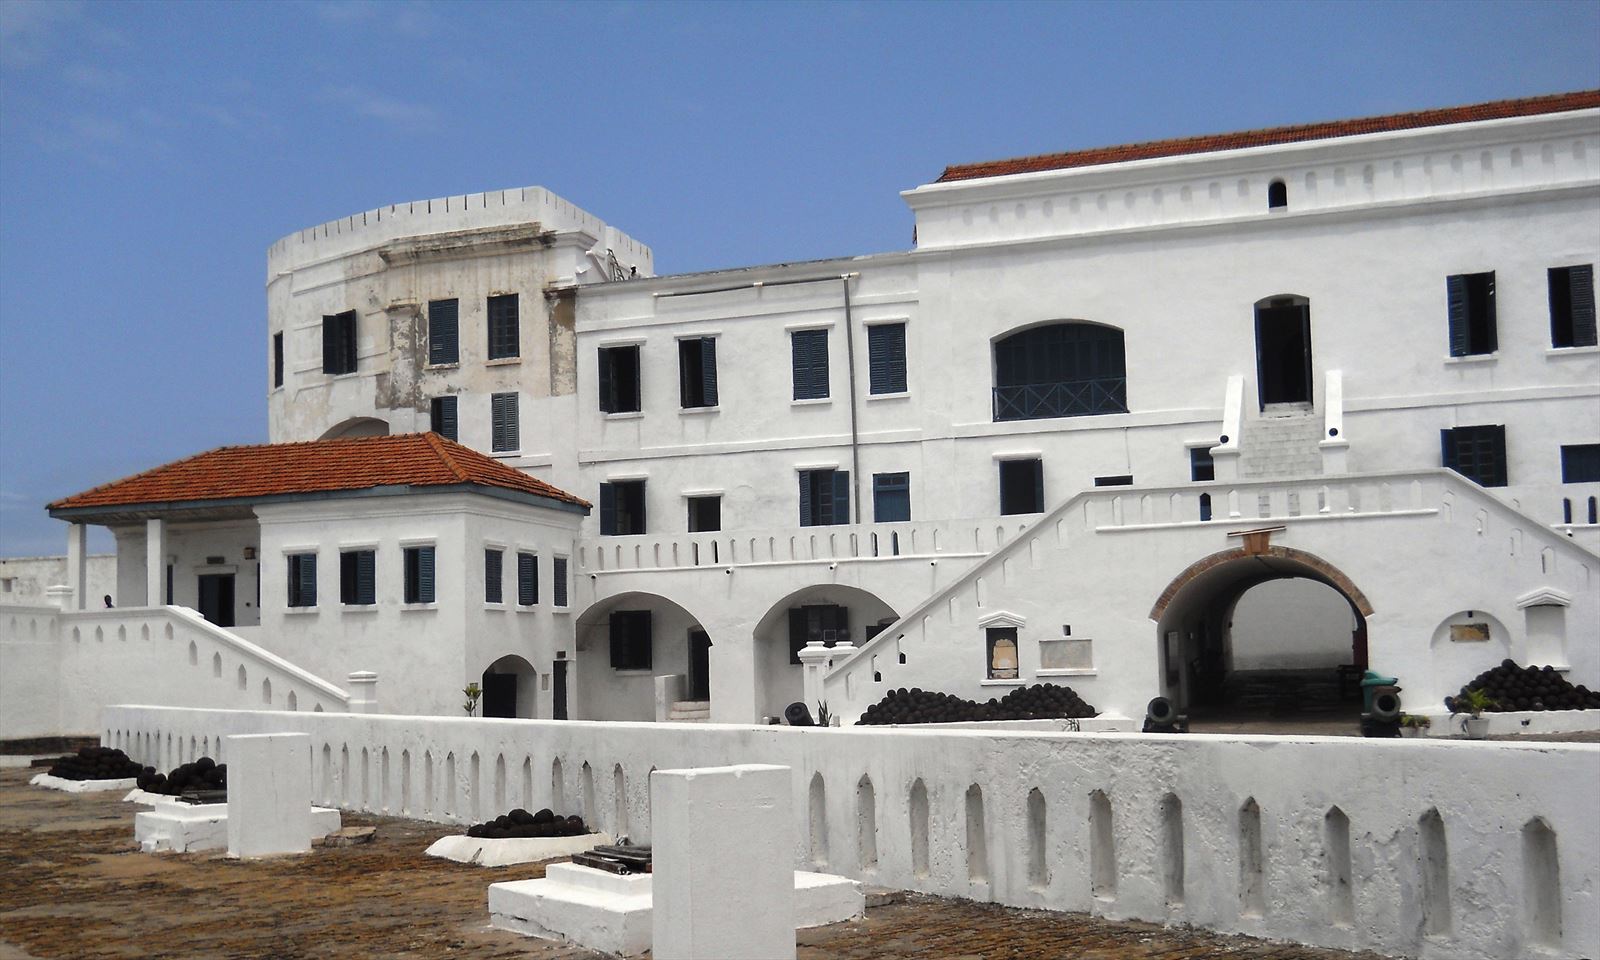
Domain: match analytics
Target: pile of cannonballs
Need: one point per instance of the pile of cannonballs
(203, 774)
(520, 824)
(95, 763)
(1514, 688)
(1043, 701)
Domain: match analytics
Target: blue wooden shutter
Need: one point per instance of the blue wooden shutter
(841, 497)
(558, 581)
(810, 363)
(1580, 283)
(1492, 455)
(527, 579)
(608, 399)
(1447, 449)
(330, 345)
(306, 579)
(1038, 486)
(708, 367)
(497, 422)
(608, 509)
(444, 331)
(366, 577)
(1456, 297)
(492, 577)
(806, 517)
(886, 358)
(424, 574)
(513, 426)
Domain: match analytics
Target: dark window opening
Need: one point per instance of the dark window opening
(1060, 370)
(1477, 453)
(622, 508)
(1205, 506)
(809, 350)
(891, 497)
(824, 497)
(504, 340)
(1580, 463)
(442, 417)
(558, 581)
(444, 331)
(1472, 314)
(1001, 653)
(631, 641)
(886, 358)
(339, 343)
(1283, 350)
(1277, 195)
(1572, 306)
(697, 372)
(493, 576)
(358, 578)
(503, 426)
(302, 577)
(1594, 510)
(827, 622)
(1201, 466)
(1021, 486)
(527, 579)
(419, 574)
(277, 359)
(1120, 480)
(705, 514)
(619, 379)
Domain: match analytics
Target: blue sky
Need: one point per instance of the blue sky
(150, 152)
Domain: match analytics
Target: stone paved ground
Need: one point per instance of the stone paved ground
(73, 886)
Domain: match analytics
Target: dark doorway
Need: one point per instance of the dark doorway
(216, 598)
(499, 694)
(558, 699)
(699, 665)
(1283, 350)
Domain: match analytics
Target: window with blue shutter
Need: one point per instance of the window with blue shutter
(558, 581)
(886, 358)
(824, 497)
(697, 372)
(1021, 486)
(891, 497)
(622, 504)
(1476, 452)
(1069, 369)
(444, 331)
(1470, 299)
(527, 579)
(503, 426)
(339, 343)
(442, 417)
(504, 339)
(619, 379)
(277, 359)
(631, 640)
(1572, 306)
(493, 574)
(1580, 463)
(810, 360)
(419, 574)
(302, 577)
(358, 578)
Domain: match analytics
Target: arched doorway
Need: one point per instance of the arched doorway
(357, 427)
(1283, 350)
(1266, 634)
(831, 613)
(509, 687)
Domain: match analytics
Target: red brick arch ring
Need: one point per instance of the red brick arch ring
(1320, 568)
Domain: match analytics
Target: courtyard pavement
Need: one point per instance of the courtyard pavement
(72, 884)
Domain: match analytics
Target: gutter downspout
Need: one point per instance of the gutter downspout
(850, 355)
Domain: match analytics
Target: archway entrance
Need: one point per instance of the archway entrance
(627, 642)
(1273, 637)
(508, 688)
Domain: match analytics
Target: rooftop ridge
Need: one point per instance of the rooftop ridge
(1271, 136)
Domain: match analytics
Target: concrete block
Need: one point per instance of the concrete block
(80, 786)
(186, 827)
(723, 840)
(489, 852)
(269, 794)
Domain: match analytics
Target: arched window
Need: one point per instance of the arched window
(1069, 369)
(1277, 195)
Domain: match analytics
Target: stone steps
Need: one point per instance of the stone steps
(690, 711)
(1281, 447)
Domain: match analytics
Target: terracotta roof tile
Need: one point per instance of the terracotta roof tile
(1497, 110)
(318, 466)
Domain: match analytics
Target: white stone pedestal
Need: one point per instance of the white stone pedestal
(269, 794)
(186, 828)
(502, 852)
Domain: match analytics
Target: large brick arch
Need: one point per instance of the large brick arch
(1314, 565)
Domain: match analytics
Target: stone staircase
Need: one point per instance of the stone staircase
(690, 711)
(1277, 447)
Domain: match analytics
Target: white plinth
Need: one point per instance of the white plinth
(269, 794)
(722, 840)
(81, 786)
(490, 852)
(148, 799)
(611, 913)
(188, 827)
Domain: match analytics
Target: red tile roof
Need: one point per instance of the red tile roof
(1498, 110)
(318, 466)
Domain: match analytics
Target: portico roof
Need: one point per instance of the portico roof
(231, 479)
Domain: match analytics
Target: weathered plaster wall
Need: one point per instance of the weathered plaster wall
(23, 579)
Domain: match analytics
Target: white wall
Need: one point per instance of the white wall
(1291, 624)
(189, 547)
(23, 579)
(1387, 792)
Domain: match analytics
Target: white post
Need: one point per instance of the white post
(155, 562)
(77, 571)
(1225, 455)
(269, 794)
(1335, 446)
(723, 849)
(363, 690)
(60, 595)
(815, 659)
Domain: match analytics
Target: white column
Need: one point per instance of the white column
(723, 849)
(363, 690)
(269, 794)
(77, 570)
(155, 562)
(815, 658)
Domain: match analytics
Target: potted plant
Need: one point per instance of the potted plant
(1412, 725)
(1473, 703)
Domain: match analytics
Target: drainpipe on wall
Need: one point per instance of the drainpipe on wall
(850, 356)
